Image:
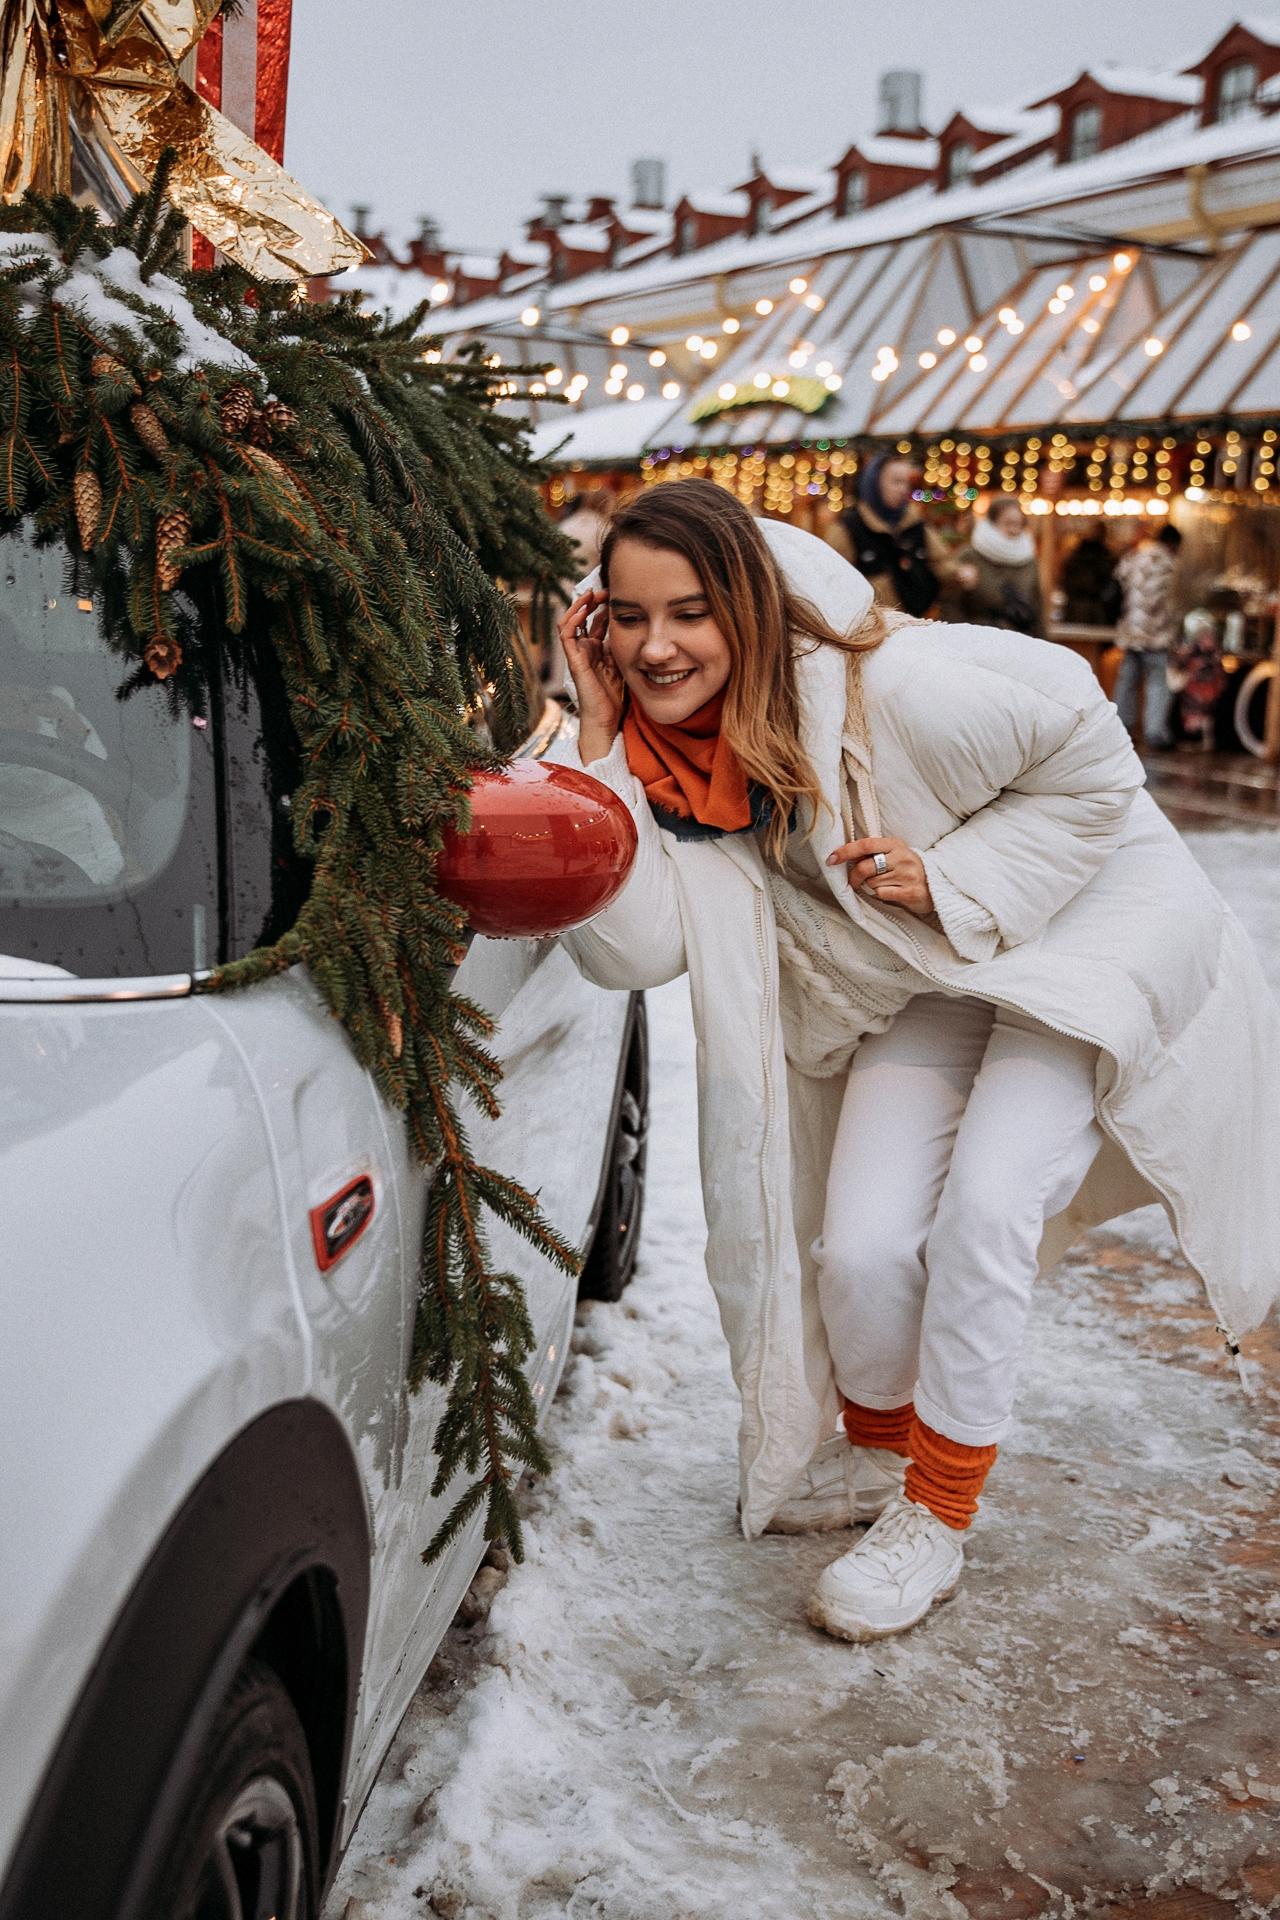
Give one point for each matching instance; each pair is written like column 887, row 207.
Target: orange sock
column 879, row 1426
column 945, row 1475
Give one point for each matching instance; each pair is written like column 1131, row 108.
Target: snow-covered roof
column 1181, row 89
column 1041, row 126
column 809, row 208
column 734, row 205
column 644, row 219
column 892, row 150
column 529, row 253
column 1001, row 120
column 1163, row 151
column 1263, row 26
column 583, row 239
column 619, row 432
column 395, row 291
column 798, row 179
column 476, row 266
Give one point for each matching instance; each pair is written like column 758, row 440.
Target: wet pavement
column 1203, row 792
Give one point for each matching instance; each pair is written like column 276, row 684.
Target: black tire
column 243, row 1845
column 614, row 1245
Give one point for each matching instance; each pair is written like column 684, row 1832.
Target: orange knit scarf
column 690, row 769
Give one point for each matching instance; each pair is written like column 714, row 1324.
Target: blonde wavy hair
column 764, row 623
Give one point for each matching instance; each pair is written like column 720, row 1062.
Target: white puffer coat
column 999, row 758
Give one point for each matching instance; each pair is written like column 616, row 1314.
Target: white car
column 214, row 1486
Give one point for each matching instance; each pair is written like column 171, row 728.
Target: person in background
column 1148, row 627
column 995, row 580
column 585, row 517
column 1201, row 679
column 584, row 520
column 883, row 534
column 1091, row 595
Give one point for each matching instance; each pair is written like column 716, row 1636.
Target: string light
column 619, row 370
column 1097, row 283
column 1153, row 347
column 530, row 317
column 635, row 391
column 694, row 343
column 730, row 324
column 799, row 284
column 928, row 360
column 977, row 362
column 946, row 337
column 1122, row 262
column 709, row 349
column 620, row 336
column 1241, row 330
column 554, row 376
column 671, row 390
column 974, row 343
column 657, row 358
column 764, row 308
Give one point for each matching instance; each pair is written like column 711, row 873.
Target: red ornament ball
column 548, row 847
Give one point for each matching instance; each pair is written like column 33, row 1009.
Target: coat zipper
column 871, row 813
column 770, row 1099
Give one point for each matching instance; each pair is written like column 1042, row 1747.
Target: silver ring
column 880, row 861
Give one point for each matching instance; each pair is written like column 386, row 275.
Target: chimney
column 428, row 237
column 554, row 210
column 901, row 95
column 649, row 183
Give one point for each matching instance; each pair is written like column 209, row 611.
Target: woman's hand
column 903, row 882
column 597, row 682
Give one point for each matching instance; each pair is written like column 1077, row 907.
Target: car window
column 108, row 814
column 267, row 881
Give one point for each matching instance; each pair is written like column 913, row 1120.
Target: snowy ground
column 644, row 1728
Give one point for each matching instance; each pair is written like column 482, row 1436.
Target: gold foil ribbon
column 99, row 79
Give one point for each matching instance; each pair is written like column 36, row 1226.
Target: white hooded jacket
column 1064, row 892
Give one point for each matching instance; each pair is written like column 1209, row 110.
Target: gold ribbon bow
column 90, row 97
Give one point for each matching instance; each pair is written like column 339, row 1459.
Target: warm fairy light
column 1066, row 292
column 432, row 355
column 1097, row 283
column 554, row 376
column 620, row 336
column 440, row 292
column 537, row 390
column 619, row 370
column 977, row 363
column 657, row 358
column 709, row 349
column 814, row 302
column 974, row 343
column 833, row 383
column 671, row 390
column 1153, row 347
column 613, row 386
column 635, row 391
column 727, row 390
column 799, row 284
column 1056, row 305
column 694, row 343
column 796, row 358
column 730, row 324
column 1242, row 330
column 1091, row 325
column 1005, row 315
column 530, row 317
column 761, row 379
column 1122, row 262
column 764, row 307
column 884, row 371
column 1194, row 493
column 780, row 389
column 928, row 360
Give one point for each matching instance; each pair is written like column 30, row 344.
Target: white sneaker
column 903, row 1565
column 842, row 1486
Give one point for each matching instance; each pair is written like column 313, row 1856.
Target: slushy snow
column 644, row 1727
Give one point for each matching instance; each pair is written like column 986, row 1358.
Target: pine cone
column 163, row 656
column 280, row 417
column 105, row 366
column 236, row 408
column 147, row 426
column 86, row 493
column 268, row 464
column 258, row 432
column 173, row 530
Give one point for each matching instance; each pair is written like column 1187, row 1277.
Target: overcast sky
column 471, row 110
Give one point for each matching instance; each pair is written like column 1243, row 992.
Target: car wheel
column 244, row 1843
column 611, row 1261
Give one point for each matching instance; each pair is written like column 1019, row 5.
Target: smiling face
column 668, row 649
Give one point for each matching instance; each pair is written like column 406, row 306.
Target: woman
column 960, row 992
column 884, row 536
column 995, row 580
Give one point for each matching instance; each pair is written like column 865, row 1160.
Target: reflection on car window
column 108, row 852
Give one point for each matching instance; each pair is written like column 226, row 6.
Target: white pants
column 963, row 1129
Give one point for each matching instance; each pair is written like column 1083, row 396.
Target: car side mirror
column 548, row 848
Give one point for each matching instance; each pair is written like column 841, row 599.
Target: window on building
column 1085, row 137
column 853, row 192
column 686, row 234
column 960, row 164
column 761, row 208
column 1237, row 86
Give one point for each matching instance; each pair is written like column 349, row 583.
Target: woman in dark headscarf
column 884, row 536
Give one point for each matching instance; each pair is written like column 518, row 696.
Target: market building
column 1072, row 300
